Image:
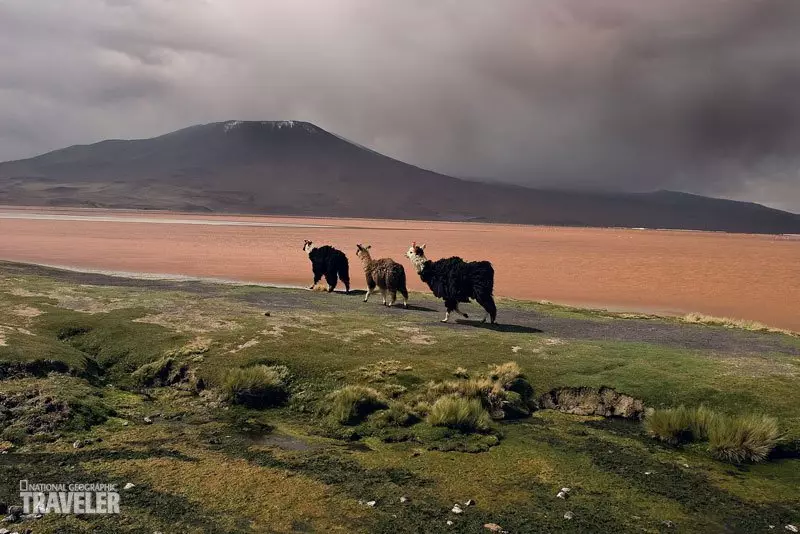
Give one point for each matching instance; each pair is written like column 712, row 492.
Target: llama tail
column 400, row 274
column 344, row 272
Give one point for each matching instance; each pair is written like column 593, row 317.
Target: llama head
column 307, row 245
column 363, row 250
column 416, row 253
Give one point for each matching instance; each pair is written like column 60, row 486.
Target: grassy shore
column 156, row 385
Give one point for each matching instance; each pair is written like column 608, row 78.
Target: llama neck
column 419, row 263
column 366, row 260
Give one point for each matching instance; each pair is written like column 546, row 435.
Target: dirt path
column 512, row 318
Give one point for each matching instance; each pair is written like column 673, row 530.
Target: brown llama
column 385, row 273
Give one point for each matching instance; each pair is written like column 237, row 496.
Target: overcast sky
column 693, row 95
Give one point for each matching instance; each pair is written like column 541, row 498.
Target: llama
column 456, row 280
column 385, row 273
column 328, row 262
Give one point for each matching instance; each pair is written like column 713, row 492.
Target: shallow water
column 745, row 276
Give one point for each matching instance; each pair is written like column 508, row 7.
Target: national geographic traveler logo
column 90, row 498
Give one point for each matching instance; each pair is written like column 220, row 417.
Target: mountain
column 297, row 168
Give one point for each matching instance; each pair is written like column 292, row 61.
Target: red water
column 744, row 276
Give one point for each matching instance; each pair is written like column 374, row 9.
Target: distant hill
column 297, row 168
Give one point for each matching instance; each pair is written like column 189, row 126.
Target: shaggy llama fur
column 455, row 280
column 385, row 273
column 328, row 262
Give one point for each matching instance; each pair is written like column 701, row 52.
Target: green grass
column 352, row 404
column 359, row 422
column 743, row 438
column 735, row 439
column 258, row 386
column 681, row 424
column 452, row 411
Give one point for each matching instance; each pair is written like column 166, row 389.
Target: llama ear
column 422, row 246
column 368, row 247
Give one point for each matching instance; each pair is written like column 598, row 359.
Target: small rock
column 77, row 445
column 372, row 503
column 469, row 502
column 569, row 515
column 403, row 499
column 791, row 528
column 4, row 531
column 648, row 472
column 415, row 454
column 686, row 465
column 493, row 527
column 566, row 490
column 266, row 314
column 148, row 421
column 449, row 523
column 561, row 495
column 124, row 423
column 668, row 523
column 129, row 485
column 457, row 509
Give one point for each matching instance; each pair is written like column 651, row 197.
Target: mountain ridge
column 299, row 168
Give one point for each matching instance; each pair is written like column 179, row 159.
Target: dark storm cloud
column 611, row 94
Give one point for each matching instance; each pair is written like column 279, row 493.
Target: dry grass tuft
column 352, row 404
column 460, row 372
column 504, row 392
column 728, row 322
column 505, row 373
column 681, row 424
column 460, row 413
column 735, row 439
column 747, row 438
column 257, row 386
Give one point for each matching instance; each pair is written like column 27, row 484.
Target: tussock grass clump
column 257, row 386
column 747, row 438
column 381, row 370
column 735, row 439
column 505, row 373
column 352, row 404
column 160, row 373
column 503, row 391
column 398, row 414
column 453, row 411
column 460, row 372
column 728, row 322
column 681, row 424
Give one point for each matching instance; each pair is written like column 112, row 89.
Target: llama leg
column 331, row 279
column 404, row 292
column 461, row 313
column 487, row 302
column 450, row 305
column 392, row 294
column 383, row 294
column 317, row 276
column 344, row 274
column 370, row 289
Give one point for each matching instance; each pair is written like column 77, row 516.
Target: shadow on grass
column 497, row 327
